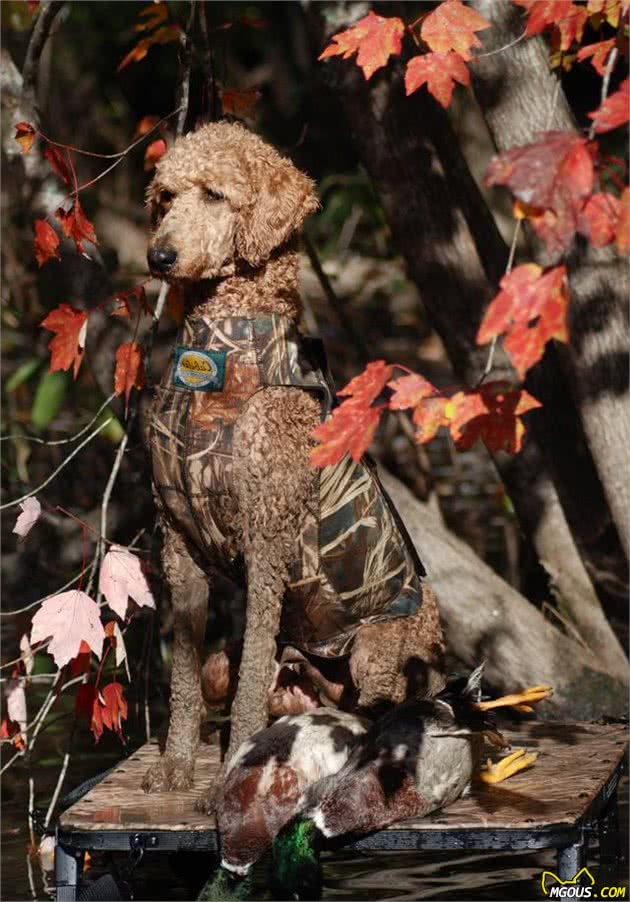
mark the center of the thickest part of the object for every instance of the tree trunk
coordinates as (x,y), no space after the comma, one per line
(519,98)
(487,620)
(454,253)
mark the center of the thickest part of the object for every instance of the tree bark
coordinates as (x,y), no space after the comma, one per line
(454,253)
(487,620)
(519,98)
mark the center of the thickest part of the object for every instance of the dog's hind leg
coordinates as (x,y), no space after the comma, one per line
(188,586)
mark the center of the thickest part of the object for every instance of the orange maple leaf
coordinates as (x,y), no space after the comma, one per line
(351,426)
(25,135)
(530,309)
(46,242)
(568,18)
(452,26)
(374,38)
(430,414)
(76,225)
(492,414)
(554,173)
(164,35)
(129,371)
(68,346)
(597,53)
(614,111)
(600,218)
(609,10)
(440,71)
(155,14)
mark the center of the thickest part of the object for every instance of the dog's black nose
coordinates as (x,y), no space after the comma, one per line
(161,259)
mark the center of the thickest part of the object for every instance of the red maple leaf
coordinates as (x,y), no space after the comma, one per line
(551,175)
(68,345)
(351,426)
(114,710)
(154,152)
(614,111)
(9,729)
(492,414)
(530,309)
(600,218)
(46,242)
(623,225)
(440,71)
(25,135)
(452,26)
(76,225)
(568,18)
(82,662)
(374,38)
(129,369)
(408,391)
(597,53)
(58,164)
(239,102)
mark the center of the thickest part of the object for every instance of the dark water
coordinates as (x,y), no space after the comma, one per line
(347,875)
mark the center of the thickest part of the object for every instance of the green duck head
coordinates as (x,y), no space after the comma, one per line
(226,886)
(296,870)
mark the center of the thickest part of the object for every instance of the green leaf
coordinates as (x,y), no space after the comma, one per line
(22,374)
(49,397)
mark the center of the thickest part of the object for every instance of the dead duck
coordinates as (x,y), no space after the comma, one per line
(265,784)
(328,772)
(420,756)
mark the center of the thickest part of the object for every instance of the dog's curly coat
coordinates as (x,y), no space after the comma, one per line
(226,209)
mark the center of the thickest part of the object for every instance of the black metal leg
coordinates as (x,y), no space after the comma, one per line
(68,865)
(571,859)
(608,828)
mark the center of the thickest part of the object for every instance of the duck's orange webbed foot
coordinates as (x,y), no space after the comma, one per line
(521,701)
(496,772)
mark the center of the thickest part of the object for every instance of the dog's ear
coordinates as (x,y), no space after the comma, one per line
(284,198)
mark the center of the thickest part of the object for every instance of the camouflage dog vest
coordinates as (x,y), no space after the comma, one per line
(354,562)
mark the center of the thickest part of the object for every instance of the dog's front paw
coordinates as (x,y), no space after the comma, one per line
(169,775)
(208,801)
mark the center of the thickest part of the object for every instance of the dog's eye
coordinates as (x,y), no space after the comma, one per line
(214,195)
(166,197)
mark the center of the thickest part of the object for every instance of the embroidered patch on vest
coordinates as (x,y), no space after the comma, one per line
(199,370)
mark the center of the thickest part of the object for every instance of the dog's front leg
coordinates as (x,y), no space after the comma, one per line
(189,596)
(274,483)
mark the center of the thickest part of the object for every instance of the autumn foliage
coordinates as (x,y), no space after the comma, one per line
(556,185)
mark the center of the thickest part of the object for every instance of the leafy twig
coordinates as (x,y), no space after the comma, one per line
(61,466)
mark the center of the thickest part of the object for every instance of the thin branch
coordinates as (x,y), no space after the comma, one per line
(333,300)
(61,441)
(62,777)
(500,49)
(41,32)
(61,466)
(122,447)
(610,65)
(183,94)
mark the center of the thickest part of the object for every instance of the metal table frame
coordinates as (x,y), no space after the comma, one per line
(571,842)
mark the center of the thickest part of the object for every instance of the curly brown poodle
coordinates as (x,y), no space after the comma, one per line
(330,576)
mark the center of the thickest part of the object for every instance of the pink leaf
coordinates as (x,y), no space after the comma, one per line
(68,619)
(16,703)
(121,577)
(31,512)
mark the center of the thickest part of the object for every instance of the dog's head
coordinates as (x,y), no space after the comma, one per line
(221,195)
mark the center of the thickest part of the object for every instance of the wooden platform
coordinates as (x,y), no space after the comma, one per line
(571,787)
